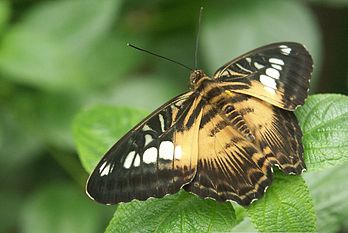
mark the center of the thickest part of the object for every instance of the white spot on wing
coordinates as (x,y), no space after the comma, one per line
(178,152)
(102,166)
(278,67)
(146,127)
(273,73)
(148,139)
(276,61)
(106,170)
(285,49)
(258,65)
(150,155)
(248,59)
(137,161)
(268,81)
(161,119)
(166,150)
(129,159)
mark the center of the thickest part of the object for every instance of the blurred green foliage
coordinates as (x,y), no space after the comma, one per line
(60,57)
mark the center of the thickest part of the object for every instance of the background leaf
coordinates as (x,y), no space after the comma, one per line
(324,122)
(55,35)
(61,208)
(286,207)
(98,128)
(330,197)
(181,212)
(229,32)
(4,15)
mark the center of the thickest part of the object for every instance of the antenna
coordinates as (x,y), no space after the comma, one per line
(156,55)
(198,34)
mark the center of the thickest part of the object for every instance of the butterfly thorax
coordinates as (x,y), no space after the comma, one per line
(197,77)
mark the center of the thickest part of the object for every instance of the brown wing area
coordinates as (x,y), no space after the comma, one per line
(230,167)
(276,132)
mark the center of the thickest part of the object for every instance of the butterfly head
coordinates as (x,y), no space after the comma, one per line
(196,77)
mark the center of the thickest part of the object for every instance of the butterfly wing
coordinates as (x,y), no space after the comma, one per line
(155,158)
(276,132)
(278,73)
(230,167)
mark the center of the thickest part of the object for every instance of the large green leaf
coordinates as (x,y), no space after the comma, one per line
(97,129)
(61,208)
(182,212)
(324,122)
(286,207)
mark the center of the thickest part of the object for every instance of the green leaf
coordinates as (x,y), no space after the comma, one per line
(4,15)
(324,122)
(182,212)
(241,26)
(244,226)
(153,90)
(43,117)
(48,48)
(330,3)
(330,195)
(286,207)
(61,208)
(98,128)
(10,202)
(18,145)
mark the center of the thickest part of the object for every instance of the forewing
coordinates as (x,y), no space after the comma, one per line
(278,73)
(155,158)
(230,167)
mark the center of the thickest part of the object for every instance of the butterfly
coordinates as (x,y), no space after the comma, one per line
(220,139)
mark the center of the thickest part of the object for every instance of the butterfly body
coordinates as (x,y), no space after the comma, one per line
(220,139)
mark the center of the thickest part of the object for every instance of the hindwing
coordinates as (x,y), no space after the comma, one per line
(276,132)
(230,167)
(240,138)
(155,158)
(278,73)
